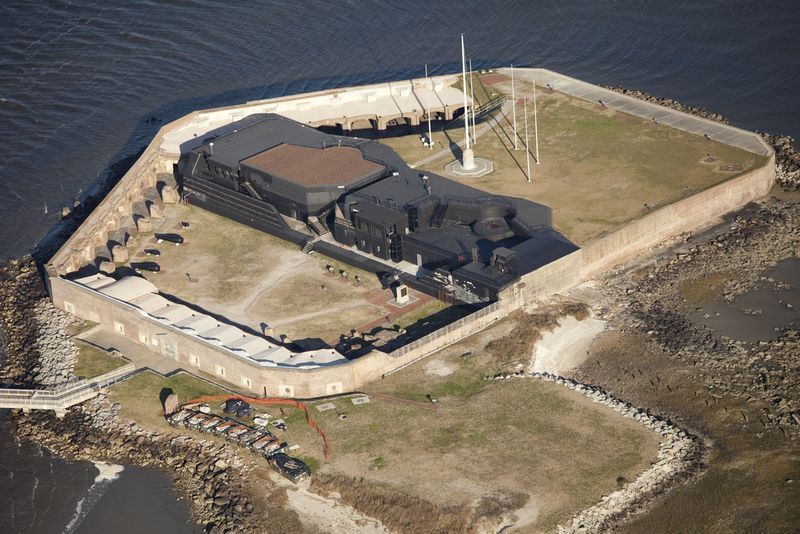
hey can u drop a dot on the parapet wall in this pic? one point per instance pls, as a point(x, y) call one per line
point(112, 212)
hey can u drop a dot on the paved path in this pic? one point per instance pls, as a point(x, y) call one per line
point(729, 135)
point(139, 355)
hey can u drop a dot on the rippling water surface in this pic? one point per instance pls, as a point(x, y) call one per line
point(83, 84)
point(78, 80)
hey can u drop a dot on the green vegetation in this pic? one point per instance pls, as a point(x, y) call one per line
point(142, 396)
point(417, 314)
point(93, 361)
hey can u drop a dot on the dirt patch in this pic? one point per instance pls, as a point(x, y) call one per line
point(566, 346)
point(438, 368)
point(258, 280)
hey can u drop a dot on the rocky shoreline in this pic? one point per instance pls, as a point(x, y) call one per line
point(787, 158)
point(210, 476)
point(764, 372)
point(40, 354)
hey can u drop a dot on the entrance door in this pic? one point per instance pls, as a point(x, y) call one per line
point(168, 348)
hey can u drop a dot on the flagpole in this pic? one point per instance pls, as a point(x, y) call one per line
point(514, 107)
point(527, 150)
point(535, 124)
point(466, 109)
point(428, 111)
point(472, 96)
point(467, 155)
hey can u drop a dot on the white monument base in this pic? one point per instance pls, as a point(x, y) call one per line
point(480, 167)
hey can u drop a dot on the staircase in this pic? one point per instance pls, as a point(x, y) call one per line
point(317, 225)
point(309, 246)
point(251, 190)
point(438, 214)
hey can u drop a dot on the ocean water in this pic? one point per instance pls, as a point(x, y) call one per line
point(85, 84)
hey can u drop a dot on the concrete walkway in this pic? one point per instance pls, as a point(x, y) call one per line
point(729, 135)
point(139, 355)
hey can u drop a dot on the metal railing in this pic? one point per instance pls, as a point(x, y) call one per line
point(66, 395)
point(436, 334)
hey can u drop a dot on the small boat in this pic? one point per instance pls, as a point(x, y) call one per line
point(249, 437)
point(224, 426)
point(235, 432)
point(180, 416)
point(262, 442)
point(197, 419)
point(210, 423)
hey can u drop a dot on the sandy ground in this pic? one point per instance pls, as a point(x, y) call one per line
point(567, 346)
point(326, 514)
point(438, 367)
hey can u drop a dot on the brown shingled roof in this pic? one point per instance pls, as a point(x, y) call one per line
point(336, 165)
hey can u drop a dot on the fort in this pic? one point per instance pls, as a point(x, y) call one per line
point(273, 165)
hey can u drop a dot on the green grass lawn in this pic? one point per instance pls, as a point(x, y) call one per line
point(142, 396)
point(483, 437)
point(93, 361)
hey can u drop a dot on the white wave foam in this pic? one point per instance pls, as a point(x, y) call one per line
point(107, 471)
point(107, 474)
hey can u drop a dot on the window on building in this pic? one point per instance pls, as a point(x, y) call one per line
point(194, 360)
point(246, 381)
point(119, 328)
point(220, 370)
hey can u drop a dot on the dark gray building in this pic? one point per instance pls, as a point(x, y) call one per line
point(468, 244)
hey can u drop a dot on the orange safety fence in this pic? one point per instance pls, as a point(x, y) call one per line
point(326, 446)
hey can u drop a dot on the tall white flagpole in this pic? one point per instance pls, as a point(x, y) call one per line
point(472, 96)
point(535, 124)
point(467, 156)
point(514, 107)
point(527, 150)
point(466, 109)
point(428, 111)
